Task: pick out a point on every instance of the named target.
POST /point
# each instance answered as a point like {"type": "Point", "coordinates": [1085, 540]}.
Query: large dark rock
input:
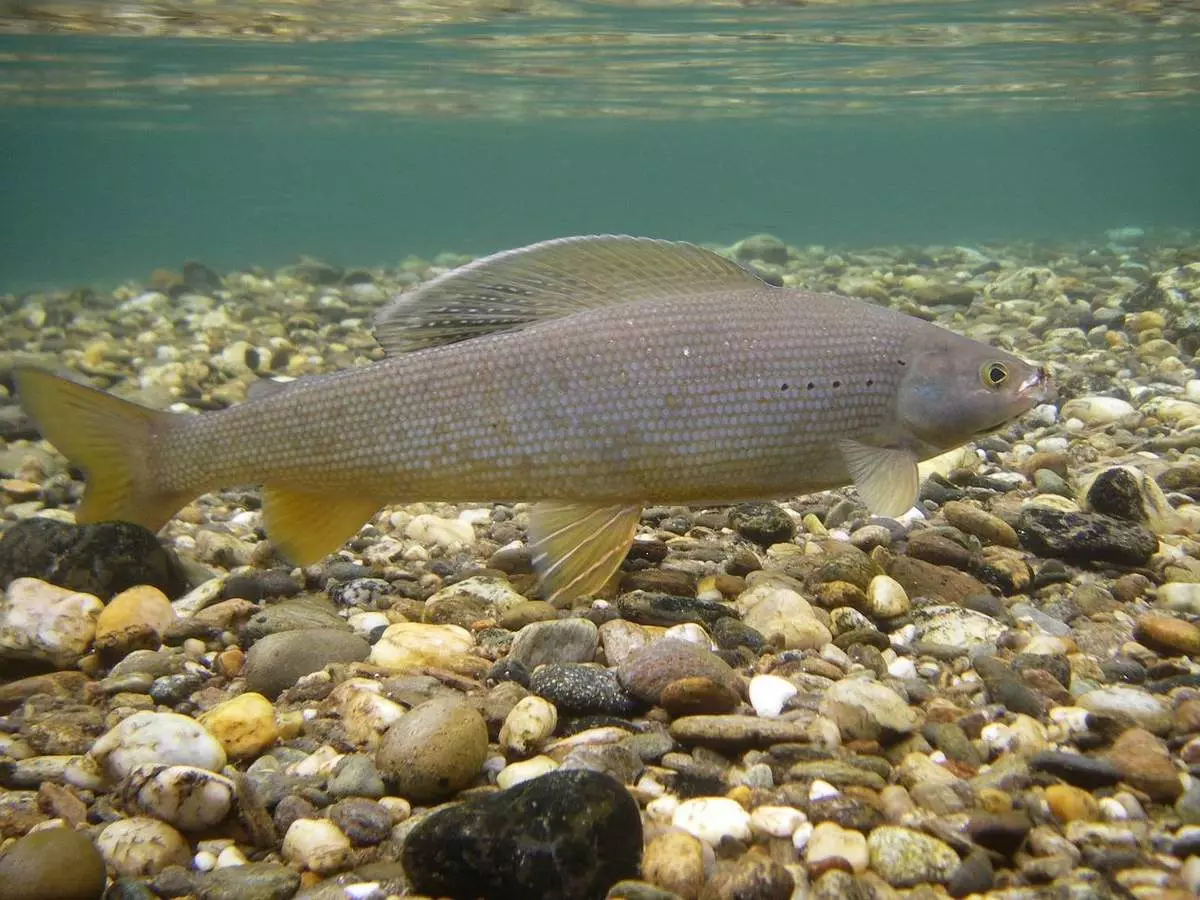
{"type": "Point", "coordinates": [1084, 537]}
{"type": "Point", "coordinates": [568, 835]}
{"type": "Point", "coordinates": [101, 559]}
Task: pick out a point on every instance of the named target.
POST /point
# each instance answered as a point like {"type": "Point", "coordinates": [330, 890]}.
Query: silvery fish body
{"type": "Point", "coordinates": [593, 375]}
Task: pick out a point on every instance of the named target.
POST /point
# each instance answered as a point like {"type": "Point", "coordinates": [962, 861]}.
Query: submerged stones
{"type": "Point", "coordinates": [567, 835]}
{"type": "Point", "coordinates": [1085, 537]}
{"type": "Point", "coordinates": [52, 864]}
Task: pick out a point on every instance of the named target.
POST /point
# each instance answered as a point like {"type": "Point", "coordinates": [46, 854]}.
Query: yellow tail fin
{"type": "Point", "coordinates": [110, 439]}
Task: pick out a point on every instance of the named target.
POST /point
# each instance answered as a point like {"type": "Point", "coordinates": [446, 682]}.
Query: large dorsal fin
{"type": "Point", "coordinates": [508, 290]}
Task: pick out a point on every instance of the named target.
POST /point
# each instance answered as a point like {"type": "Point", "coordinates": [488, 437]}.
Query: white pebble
{"type": "Point", "coordinates": [45, 623]}
{"type": "Point", "coordinates": [450, 534]}
{"type": "Point", "coordinates": [1112, 810]}
{"type": "Point", "coordinates": [231, 856]}
{"type": "Point", "coordinates": [831, 841]}
{"type": "Point", "coordinates": [690, 632]}
{"type": "Point", "coordinates": [1043, 415]}
{"type": "Point", "coordinates": [517, 772]}
{"type": "Point", "coordinates": [712, 818]}
{"type": "Point", "coordinates": [140, 846]}
{"type": "Point", "coordinates": [147, 738]}
{"type": "Point", "coordinates": [1097, 410]}
{"type": "Point", "coordinates": [316, 844]}
{"type": "Point", "coordinates": [1052, 445]}
{"type": "Point", "coordinates": [802, 835]}
{"type": "Point", "coordinates": [529, 723]}
{"type": "Point", "coordinates": [204, 861]}
{"type": "Point", "coordinates": [769, 693]}
{"type": "Point", "coordinates": [776, 821]}
{"type": "Point", "coordinates": [902, 667]}
{"type": "Point", "coordinates": [821, 790]}
{"type": "Point", "coordinates": [887, 597]}
{"type": "Point", "coordinates": [662, 809]}
{"type": "Point", "coordinates": [187, 797]}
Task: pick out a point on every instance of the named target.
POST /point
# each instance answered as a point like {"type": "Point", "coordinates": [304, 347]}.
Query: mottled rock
{"type": "Point", "coordinates": [102, 559]}
{"type": "Point", "coordinates": [649, 608]}
{"type": "Point", "coordinates": [674, 861]}
{"type": "Point", "coordinates": [150, 738]}
{"type": "Point", "coordinates": [557, 641]}
{"type": "Point", "coordinates": [905, 858]}
{"type": "Point", "coordinates": [44, 623]}
{"type": "Point", "coordinates": [867, 710]}
{"type": "Point", "coordinates": [649, 670]}
{"type": "Point", "coordinates": [922, 579]}
{"type": "Point", "coordinates": [763, 523]}
{"type": "Point", "coordinates": [35, 867]}
{"type": "Point", "coordinates": [578, 689]}
{"type": "Point", "coordinates": [564, 836]}
{"type": "Point", "coordinates": [249, 881]}
{"type": "Point", "coordinates": [410, 645]}
{"type": "Point", "coordinates": [434, 750]}
{"type": "Point", "coordinates": [279, 660]}
{"type": "Point", "coordinates": [753, 875]}
{"type": "Point", "coordinates": [1084, 537]}
{"type": "Point", "coordinates": [140, 846]}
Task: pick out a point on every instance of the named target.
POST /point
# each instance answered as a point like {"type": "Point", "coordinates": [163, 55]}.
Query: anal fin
{"type": "Point", "coordinates": [886, 478]}
{"type": "Point", "coordinates": [576, 548]}
{"type": "Point", "coordinates": [307, 525]}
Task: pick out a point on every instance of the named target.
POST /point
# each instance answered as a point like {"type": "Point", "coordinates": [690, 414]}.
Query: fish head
{"type": "Point", "coordinates": [959, 388]}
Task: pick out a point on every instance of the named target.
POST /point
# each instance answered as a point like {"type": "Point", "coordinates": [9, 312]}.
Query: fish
{"type": "Point", "coordinates": [590, 376]}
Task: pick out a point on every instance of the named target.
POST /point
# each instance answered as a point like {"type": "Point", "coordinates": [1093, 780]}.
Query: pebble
{"type": "Point", "coordinates": [558, 641]}
{"type": "Point", "coordinates": [249, 881]}
{"type": "Point", "coordinates": [35, 867]}
{"type": "Point", "coordinates": [1084, 537]}
{"type": "Point", "coordinates": [776, 821]}
{"type": "Point", "coordinates": [1069, 803]}
{"type": "Point", "coordinates": [449, 534]}
{"type": "Point", "coordinates": [41, 622]}
{"type": "Point", "coordinates": [411, 645]}
{"type": "Point", "coordinates": [905, 858]}
{"type": "Point", "coordinates": [675, 861]}
{"type": "Point", "coordinates": [278, 660]}
{"type": "Point", "coordinates": [525, 770]}
{"type": "Point", "coordinates": [887, 598]}
{"type": "Point", "coordinates": [563, 836]}
{"type": "Point", "coordinates": [244, 725]}
{"type": "Point", "coordinates": [434, 750]}
{"type": "Point", "coordinates": [647, 672]}
{"type": "Point", "coordinates": [1168, 634]}
{"type": "Point", "coordinates": [140, 846]}
{"type": "Point", "coordinates": [135, 619]}
{"type": "Point", "coordinates": [529, 724]}
{"type": "Point", "coordinates": [355, 775]}
{"type": "Point", "coordinates": [648, 608]}
{"type": "Point", "coordinates": [190, 798]}
{"type": "Point", "coordinates": [1096, 411]}
{"type": "Point", "coordinates": [317, 845]}
{"type": "Point", "coordinates": [763, 523]}
{"type": "Point", "coordinates": [148, 738]}
{"type": "Point", "coordinates": [753, 874]}
{"type": "Point", "coordinates": [577, 689]}
{"type": "Point", "coordinates": [832, 845]}
{"type": "Point", "coordinates": [1117, 700]}
{"type": "Point", "coordinates": [867, 710]}
{"type": "Point", "coordinates": [782, 615]}
{"type": "Point", "coordinates": [1145, 763]}
{"type": "Point", "coordinates": [1180, 596]}
{"type": "Point", "coordinates": [988, 528]}
{"type": "Point", "coordinates": [712, 818]}
{"type": "Point", "coordinates": [769, 693]}
{"type": "Point", "coordinates": [365, 822]}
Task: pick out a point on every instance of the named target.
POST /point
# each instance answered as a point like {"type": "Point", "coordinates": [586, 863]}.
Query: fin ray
{"type": "Point", "coordinates": [110, 439]}
{"type": "Point", "coordinates": [886, 478]}
{"type": "Point", "coordinates": [577, 548]}
{"type": "Point", "coordinates": [306, 526]}
{"type": "Point", "coordinates": [514, 288]}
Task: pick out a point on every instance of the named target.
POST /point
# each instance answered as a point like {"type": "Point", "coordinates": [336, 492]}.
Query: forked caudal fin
{"type": "Point", "coordinates": [110, 439]}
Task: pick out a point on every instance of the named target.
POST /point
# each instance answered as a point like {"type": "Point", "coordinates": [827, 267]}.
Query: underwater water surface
{"type": "Point", "coordinates": [128, 143]}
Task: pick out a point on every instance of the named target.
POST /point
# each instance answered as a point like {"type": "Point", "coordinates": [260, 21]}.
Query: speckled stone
{"type": "Point", "coordinates": [905, 858]}
{"type": "Point", "coordinates": [567, 835]}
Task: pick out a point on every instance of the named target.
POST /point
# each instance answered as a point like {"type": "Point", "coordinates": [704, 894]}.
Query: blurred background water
{"type": "Point", "coordinates": [135, 136]}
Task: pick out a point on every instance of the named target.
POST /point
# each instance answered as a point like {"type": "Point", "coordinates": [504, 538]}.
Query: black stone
{"type": "Point", "coordinates": [730, 633]}
{"type": "Point", "coordinates": [763, 523]}
{"type": "Point", "coordinates": [1058, 666]}
{"type": "Point", "coordinates": [1006, 688]}
{"type": "Point", "coordinates": [1002, 832]}
{"type": "Point", "coordinates": [1085, 537]}
{"type": "Point", "coordinates": [101, 559]}
{"type": "Point", "coordinates": [974, 875]}
{"type": "Point", "coordinates": [648, 608]}
{"type": "Point", "coordinates": [249, 881]}
{"type": "Point", "coordinates": [1116, 493]}
{"type": "Point", "coordinates": [1074, 768]}
{"type": "Point", "coordinates": [568, 835]}
{"type": "Point", "coordinates": [509, 669]}
{"type": "Point", "coordinates": [577, 690]}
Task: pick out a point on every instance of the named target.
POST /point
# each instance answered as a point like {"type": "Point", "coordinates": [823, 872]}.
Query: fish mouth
{"type": "Point", "coordinates": [1038, 387]}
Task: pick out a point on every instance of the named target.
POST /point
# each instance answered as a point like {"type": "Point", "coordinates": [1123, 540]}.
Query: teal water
{"type": "Point", "coordinates": [889, 124]}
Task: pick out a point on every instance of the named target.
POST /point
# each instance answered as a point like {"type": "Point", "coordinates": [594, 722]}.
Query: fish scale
{"type": "Point", "coordinates": [590, 375]}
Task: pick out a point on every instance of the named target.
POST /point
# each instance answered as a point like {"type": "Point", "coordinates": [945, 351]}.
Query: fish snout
{"type": "Point", "coordinates": [1039, 386]}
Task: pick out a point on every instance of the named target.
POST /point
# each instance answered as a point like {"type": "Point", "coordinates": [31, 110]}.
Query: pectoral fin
{"type": "Point", "coordinates": [886, 478]}
{"type": "Point", "coordinates": [305, 526]}
{"type": "Point", "coordinates": [576, 548]}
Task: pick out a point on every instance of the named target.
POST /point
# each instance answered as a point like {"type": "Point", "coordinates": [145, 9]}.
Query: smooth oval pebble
{"type": "Point", "coordinates": [52, 864]}
{"type": "Point", "coordinates": [1097, 410]}
{"type": "Point", "coordinates": [525, 770]}
{"type": "Point", "coordinates": [410, 645]}
{"type": "Point", "coordinates": [141, 846]}
{"type": "Point", "coordinates": [830, 841]}
{"type": "Point", "coordinates": [244, 725]}
{"type": "Point", "coordinates": [147, 738]}
{"type": "Point", "coordinates": [712, 818]}
{"type": "Point", "coordinates": [434, 750]}
{"type": "Point", "coordinates": [887, 598]}
{"type": "Point", "coordinates": [189, 798]}
{"type": "Point", "coordinates": [316, 844]}
{"type": "Point", "coordinates": [135, 619]}
{"type": "Point", "coordinates": [528, 724]}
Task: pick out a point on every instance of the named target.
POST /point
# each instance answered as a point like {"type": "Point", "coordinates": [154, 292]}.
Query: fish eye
{"type": "Point", "coordinates": [994, 374]}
